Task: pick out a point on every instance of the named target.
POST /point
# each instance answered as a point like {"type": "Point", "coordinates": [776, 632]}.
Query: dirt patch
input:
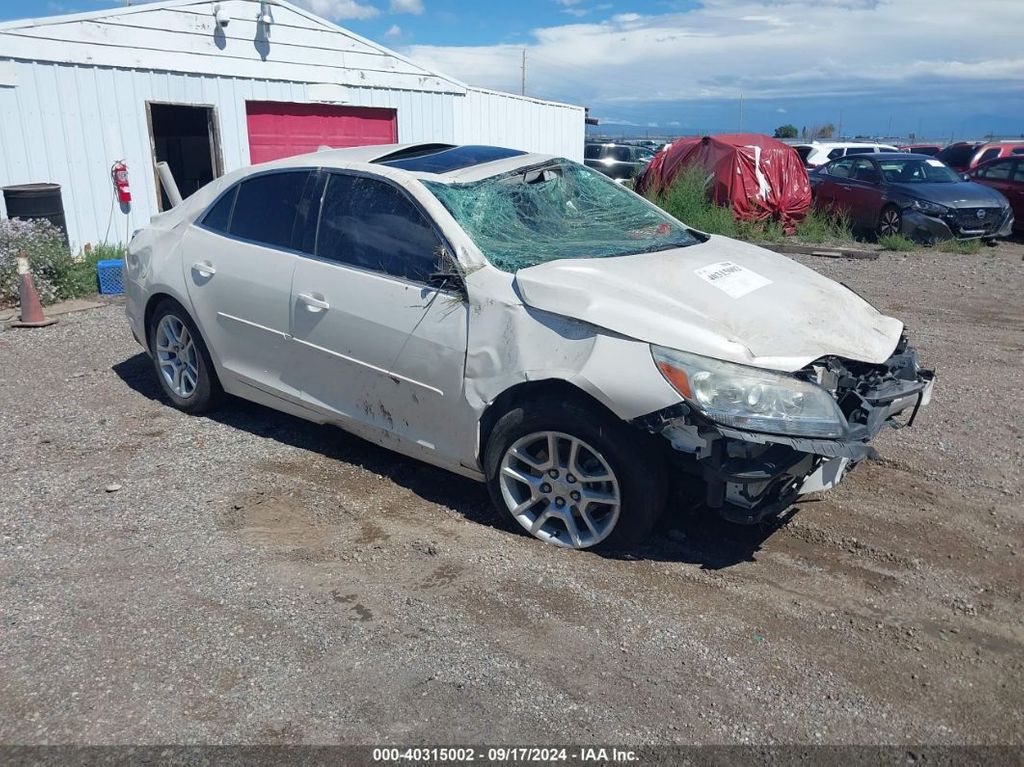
{"type": "Point", "coordinates": [261, 579]}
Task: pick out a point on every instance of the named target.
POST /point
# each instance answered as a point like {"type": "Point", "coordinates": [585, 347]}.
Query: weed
{"type": "Point", "coordinates": [963, 247]}
{"type": "Point", "coordinates": [896, 242]}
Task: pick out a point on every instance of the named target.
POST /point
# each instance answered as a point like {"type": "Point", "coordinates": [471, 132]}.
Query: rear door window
{"type": "Point", "coordinates": [591, 151]}
{"type": "Point", "coordinates": [372, 225]}
{"type": "Point", "coordinates": [219, 216]}
{"type": "Point", "coordinates": [988, 154]}
{"type": "Point", "coordinates": [841, 169]}
{"type": "Point", "coordinates": [997, 171]}
{"type": "Point", "coordinates": [266, 207]}
{"type": "Point", "coordinates": [864, 170]}
{"type": "Point", "coordinates": [621, 153]}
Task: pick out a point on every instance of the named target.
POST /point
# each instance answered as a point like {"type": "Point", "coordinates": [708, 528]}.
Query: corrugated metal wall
{"type": "Point", "coordinates": [68, 124]}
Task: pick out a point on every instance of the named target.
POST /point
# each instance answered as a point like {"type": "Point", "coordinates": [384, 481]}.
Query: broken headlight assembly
{"type": "Point", "coordinates": [929, 208]}
{"type": "Point", "coordinates": [751, 398]}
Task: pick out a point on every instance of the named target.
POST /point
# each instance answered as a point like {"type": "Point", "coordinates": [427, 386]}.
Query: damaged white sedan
{"type": "Point", "coordinates": [522, 320]}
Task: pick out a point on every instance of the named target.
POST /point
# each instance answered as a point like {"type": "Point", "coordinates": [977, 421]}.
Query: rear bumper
{"type": "Point", "coordinates": [750, 476]}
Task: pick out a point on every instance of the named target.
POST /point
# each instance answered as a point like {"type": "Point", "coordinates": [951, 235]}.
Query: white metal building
{"type": "Point", "coordinates": [211, 86]}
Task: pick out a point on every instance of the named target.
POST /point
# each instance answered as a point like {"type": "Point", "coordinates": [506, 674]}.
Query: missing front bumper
{"type": "Point", "coordinates": [929, 229]}
{"type": "Point", "coordinates": [749, 476]}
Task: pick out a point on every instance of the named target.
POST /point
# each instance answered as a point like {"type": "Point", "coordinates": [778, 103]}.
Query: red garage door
{"type": "Point", "coordinates": [279, 129]}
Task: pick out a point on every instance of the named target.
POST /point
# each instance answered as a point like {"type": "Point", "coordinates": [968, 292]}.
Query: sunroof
{"type": "Point", "coordinates": [443, 158]}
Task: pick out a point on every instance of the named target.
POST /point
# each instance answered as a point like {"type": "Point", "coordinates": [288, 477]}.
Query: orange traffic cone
{"type": "Point", "coordinates": [31, 309]}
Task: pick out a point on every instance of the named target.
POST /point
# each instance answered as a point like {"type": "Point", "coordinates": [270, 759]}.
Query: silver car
{"type": "Point", "coordinates": [522, 320]}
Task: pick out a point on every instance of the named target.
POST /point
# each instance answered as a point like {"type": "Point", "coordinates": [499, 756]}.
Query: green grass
{"type": "Point", "coordinates": [963, 247]}
{"type": "Point", "coordinates": [79, 279]}
{"type": "Point", "coordinates": [896, 242]}
{"type": "Point", "coordinates": [687, 200]}
{"type": "Point", "coordinates": [818, 227]}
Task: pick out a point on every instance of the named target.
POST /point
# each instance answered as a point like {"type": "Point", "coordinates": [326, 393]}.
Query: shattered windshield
{"type": "Point", "coordinates": [554, 211]}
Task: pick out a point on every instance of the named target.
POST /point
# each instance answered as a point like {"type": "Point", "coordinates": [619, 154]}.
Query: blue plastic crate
{"type": "Point", "coordinates": [111, 276]}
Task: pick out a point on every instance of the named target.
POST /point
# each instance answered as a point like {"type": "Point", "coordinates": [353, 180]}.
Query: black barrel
{"type": "Point", "coordinates": [36, 201]}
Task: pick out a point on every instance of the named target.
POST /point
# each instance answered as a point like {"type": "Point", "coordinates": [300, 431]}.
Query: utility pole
{"type": "Point", "coordinates": [840, 131]}
{"type": "Point", "coordinates": [741, 113]}
{"type": "Point", "coordinates": [522, 88]}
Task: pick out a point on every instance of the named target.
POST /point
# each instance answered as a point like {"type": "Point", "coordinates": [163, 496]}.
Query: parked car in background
{"type": "Point", "coordinates": [994, 150]}
{"type": "Point", "coordinates": [918, 197]}
{"type": "Point", "coordinates": [1005, 175]}
{"type": "Point", "coordinates": [820, 152]}
{"type": "Point", "coordinates": [928, 149]}
{"type": "Point", "coordinates": [618, 161]}
{"type": "Point", "coordinates": [522, 320]}
{"type": "Point", "coordinates": [958, 156]}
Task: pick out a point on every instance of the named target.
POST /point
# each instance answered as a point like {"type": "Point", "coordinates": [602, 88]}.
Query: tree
{"type": "Point", "coordinates": [786, 131]}
{"type": "Point", "coordinates": [827, 130]}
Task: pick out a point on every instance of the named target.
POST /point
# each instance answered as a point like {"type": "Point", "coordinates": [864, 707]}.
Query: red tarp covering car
{"type": "Point", "coordinates": [758, 177]}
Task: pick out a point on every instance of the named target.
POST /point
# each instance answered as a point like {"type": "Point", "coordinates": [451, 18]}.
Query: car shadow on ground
{"type": "Point", "coordinates": [690, 538]}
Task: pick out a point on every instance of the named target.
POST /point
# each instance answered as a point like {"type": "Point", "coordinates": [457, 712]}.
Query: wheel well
{"type": "Point", "coordinates": [154, 301]}
{"type": "Point", "coordinates": [531, 391]}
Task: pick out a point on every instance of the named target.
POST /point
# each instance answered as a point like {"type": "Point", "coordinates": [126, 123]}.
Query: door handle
{"type": "Point", "coordinates": [313, 303]}
{"type": "Point", "coordinates": [205, 268]}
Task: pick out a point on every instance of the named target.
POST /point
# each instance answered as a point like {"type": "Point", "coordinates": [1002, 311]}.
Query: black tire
{"type": "Point", "coordinates": [890, 221]}
{"type": "Point", "coordinates": [208, 393]}
{"type": "Point", "coordinates": [637, 465]}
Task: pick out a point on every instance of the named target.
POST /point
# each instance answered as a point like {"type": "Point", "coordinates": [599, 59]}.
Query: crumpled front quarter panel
{"type": "Point", "coordinates": [510, 343]}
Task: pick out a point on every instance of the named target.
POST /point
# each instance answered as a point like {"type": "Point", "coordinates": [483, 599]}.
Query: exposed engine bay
{"type": "Point", "coordinates": [751, 476]}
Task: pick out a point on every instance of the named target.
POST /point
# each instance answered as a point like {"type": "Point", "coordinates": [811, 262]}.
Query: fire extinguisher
{"type": "Point", "coordinates": [119, 175]}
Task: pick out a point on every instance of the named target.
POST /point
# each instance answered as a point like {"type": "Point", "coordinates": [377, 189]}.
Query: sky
{"type": "Point", "coordinates": [935, 68]}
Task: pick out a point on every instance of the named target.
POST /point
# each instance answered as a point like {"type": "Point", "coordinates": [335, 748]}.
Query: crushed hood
{"type": "Point", "coordinates": [722, 298]}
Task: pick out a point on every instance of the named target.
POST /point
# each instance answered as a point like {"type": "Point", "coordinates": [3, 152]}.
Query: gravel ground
{"type": "Point", "coordinates": [259, 579]}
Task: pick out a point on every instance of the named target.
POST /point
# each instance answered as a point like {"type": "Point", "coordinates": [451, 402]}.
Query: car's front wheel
{"type": "Point", "coordinates": [182, 363]}
{"type": "Point", "coordinates": [890, 223]}
{"type": "Point", "coordinates": [574, 477]}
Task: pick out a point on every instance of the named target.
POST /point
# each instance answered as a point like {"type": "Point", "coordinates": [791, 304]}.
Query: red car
{"type": "Point", "coordinates": [1007, 176]}
{"type": "Point", "coordinates": [995, 150]}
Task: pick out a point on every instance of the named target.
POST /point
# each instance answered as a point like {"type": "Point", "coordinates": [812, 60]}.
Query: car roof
{"type": "Point", "coordinates": [426, 160]}
{"type": "Point", "coordinates": [847, 144]}
{"type": "Point", "coordinates": [898, 156]}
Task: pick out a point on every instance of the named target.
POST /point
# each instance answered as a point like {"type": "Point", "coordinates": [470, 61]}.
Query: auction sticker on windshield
{"type": "Point", "coordinates": [732, 279]}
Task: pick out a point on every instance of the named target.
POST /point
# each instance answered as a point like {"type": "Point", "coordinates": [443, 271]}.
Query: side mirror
{"type": "Point", "coordinates": [965, 177]}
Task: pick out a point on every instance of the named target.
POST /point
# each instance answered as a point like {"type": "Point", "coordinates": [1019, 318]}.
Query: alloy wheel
{"type": "Point", "coordinates": [177, 356]}
{"type": "Point", "coordinates": [891, 223]}
{"type": "Point", "coordinates": [560, 489]}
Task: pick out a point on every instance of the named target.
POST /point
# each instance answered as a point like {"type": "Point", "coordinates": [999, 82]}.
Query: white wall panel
{"type": "Point", "coordinates": [69, 122]}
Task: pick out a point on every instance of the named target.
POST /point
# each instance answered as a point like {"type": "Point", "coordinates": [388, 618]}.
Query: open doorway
{"type": "Point", "coordinates": [185, 137]}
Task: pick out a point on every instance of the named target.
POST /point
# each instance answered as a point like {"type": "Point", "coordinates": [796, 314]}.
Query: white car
{"type": "Point", "coordinates": [522, 320]}
{"type": "Point", "coordinates": [821, 152]}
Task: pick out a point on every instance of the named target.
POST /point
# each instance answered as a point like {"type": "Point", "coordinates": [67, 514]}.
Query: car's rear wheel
{"type": "Point", "coordinates": [574, 477]}
{"type": "Point", "coordinates": [181, 360]}
{"type": "Point", "coordinates": [890, 222]}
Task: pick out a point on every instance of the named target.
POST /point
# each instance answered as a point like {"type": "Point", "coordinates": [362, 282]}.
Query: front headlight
{"type": "Point", "coordinates": [751, 398]}
{"type": "Point", "coordinates": [929, 208]}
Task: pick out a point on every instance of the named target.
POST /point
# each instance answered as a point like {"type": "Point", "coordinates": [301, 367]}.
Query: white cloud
{"type": "Point", "coordinates": [393, 31]}
{"type": "Point", "coordinates": [407, 6]}
{"type": "Point", "coordinates": [572, 7]}
{"type": "Point", "coordinates": [764, 49]}
{"type": "Point", "coordinates": [340, 9]}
